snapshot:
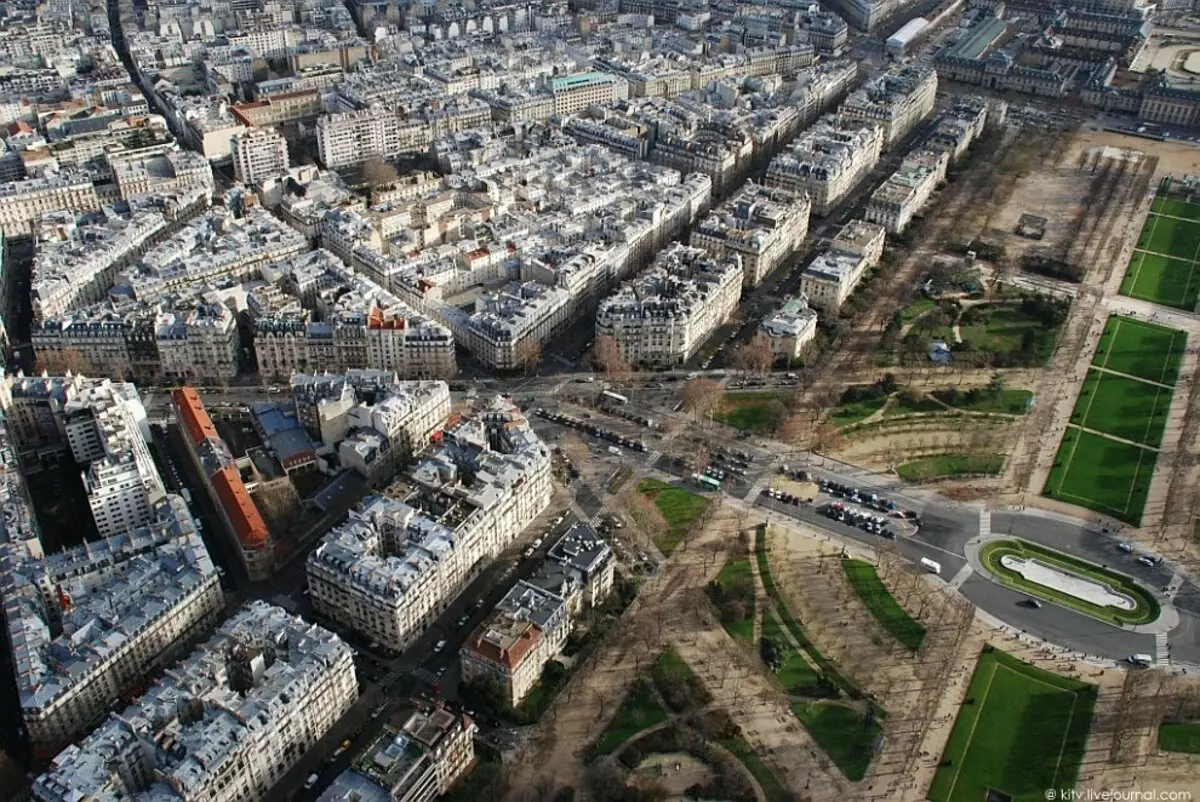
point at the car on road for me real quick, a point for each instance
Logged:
(1125, 547)
(1150, 561)
(1033, 604)
(311, 782)
(440, 645)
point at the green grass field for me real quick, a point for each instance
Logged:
(1020, 730)
(923, 470)
(1170, 236)
(756, 412)
(640, 710)
(1101, 474)
(887, 611)
(1179, 737)
(1162, 280)
(1146, 607)
(1001, 329)
(1140, 349)
(1008, 402)
(1131, 409)
(852, 413)
(772, 788)
(737, 572)
(1175, 207)
(902, 405)
(679, 507)
(846, 735)
(795, 674)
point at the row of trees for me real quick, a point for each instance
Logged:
(754, 356)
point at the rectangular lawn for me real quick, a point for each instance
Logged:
(1020, 731)
(1101, 474)
(1162, 280)
(1179, 737)
(1170, 236)
(1175, 207)
(1141, 349)
(1127, 408)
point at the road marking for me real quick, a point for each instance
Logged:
(1161, 653)
(985, 523)
(962, 576)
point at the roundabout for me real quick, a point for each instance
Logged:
(1069, 582)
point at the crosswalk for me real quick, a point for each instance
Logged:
(754, 493)
(1161, 653)
(424, 675)
(985, 523)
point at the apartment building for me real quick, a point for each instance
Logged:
(417, 762)
(258, 153)
(508, 326)
(224, 725)
(87, 622)
(320, 398)
(375, 437)
(524, 631)
(579, 567)
(574, 93)
(763, 226)
(23, 202)
(827, 161)
(241, 521)
(199, 344)
(106, 428)
(664, 315)
(906, 191)
(397, 563)
(832, 276)
(168, 170)
(898, 100)
(789, 329)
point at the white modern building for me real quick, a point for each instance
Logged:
(259, 153)
(763, 226)
(224, 725)
(789, 329)
(664, 315)
(832, 276)
(395, 566)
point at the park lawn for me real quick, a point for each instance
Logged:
(846, 735)
(1179, 737)
(1008, 402)
(1170, 236)
(848, 414)
(1127, 408)
(915, 309)
(737, 572)
(1101, 474)
(879, 600)
(950, 465)
(1145, 350)
(901, 406)
(679, 507)
(1162, 280)
(1175, 208)
(750, 412)
(641, 710)
(795, 674)
(1000, 329)
(1020, 730)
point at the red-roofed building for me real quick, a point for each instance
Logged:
(244, 524)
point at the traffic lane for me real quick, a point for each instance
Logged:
(911, 549)
(1055, 624)
(1079, 541)
(1184, 640)
(947, 528)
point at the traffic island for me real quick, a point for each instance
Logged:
(1069, 582)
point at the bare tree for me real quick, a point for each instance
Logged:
(60, 361)
(575, 449)
(701, 397)
(606, 355)
(756, 356)
(647, 516)
(528, 354)
(793, 429)
(378, 172)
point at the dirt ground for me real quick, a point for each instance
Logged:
(884, 447)
(674, 772)
(805, 490)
